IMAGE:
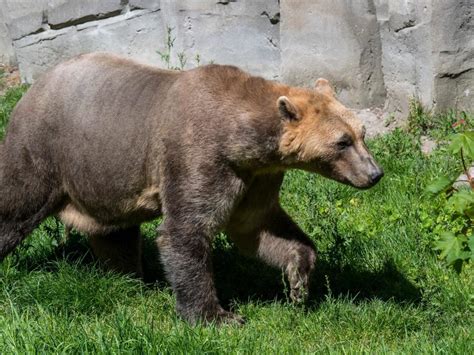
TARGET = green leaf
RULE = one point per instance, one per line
(470, 244)
(452, 247)
(439, 185)
(462, 201)
(464, 141)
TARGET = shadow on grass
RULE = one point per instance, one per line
(240, 279)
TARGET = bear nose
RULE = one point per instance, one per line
(376, 176)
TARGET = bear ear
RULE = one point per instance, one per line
(287, 109)
(322, 85)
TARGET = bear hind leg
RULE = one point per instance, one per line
(25, 201)
(12, 232)
(120, 250)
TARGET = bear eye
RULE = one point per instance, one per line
(344, 142)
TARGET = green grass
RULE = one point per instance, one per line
(7, 103)
(378, 287)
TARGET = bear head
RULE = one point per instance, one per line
(321, 135)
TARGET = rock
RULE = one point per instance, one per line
(452, 31)
(141, 33)
(377, 53)
(144, 4)
(375, 121)
(337, 40)
(462, 180)
(242, 33)
(24, 17)
(65, 13)
(427, 145)
(427, 53)
(7, 54)
(406, 52)
(129, 34)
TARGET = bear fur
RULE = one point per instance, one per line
(107, 143)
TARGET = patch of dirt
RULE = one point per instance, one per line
(9, 77)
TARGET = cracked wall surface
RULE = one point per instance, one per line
(378, 53)
(338, 40)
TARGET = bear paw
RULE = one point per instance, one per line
(225, 317)
(299, 295)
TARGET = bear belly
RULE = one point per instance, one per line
(82, 222)
(134, 211)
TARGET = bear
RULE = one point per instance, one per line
(107, 143)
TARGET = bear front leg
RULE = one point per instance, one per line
(195, 208)
(186, 257)
(279, 242)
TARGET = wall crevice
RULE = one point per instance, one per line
(455, 75)
(274, 20)
(85, 19)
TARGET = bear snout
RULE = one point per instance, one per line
(372, 176)
(376, 176)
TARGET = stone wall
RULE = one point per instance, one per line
(378, 53)
(428, 51)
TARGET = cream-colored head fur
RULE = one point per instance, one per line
(321, 135)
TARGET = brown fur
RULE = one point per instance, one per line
(107, 144)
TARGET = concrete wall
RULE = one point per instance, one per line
(427, 51)
(378, 53)
(7, 55)
(338, 40)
